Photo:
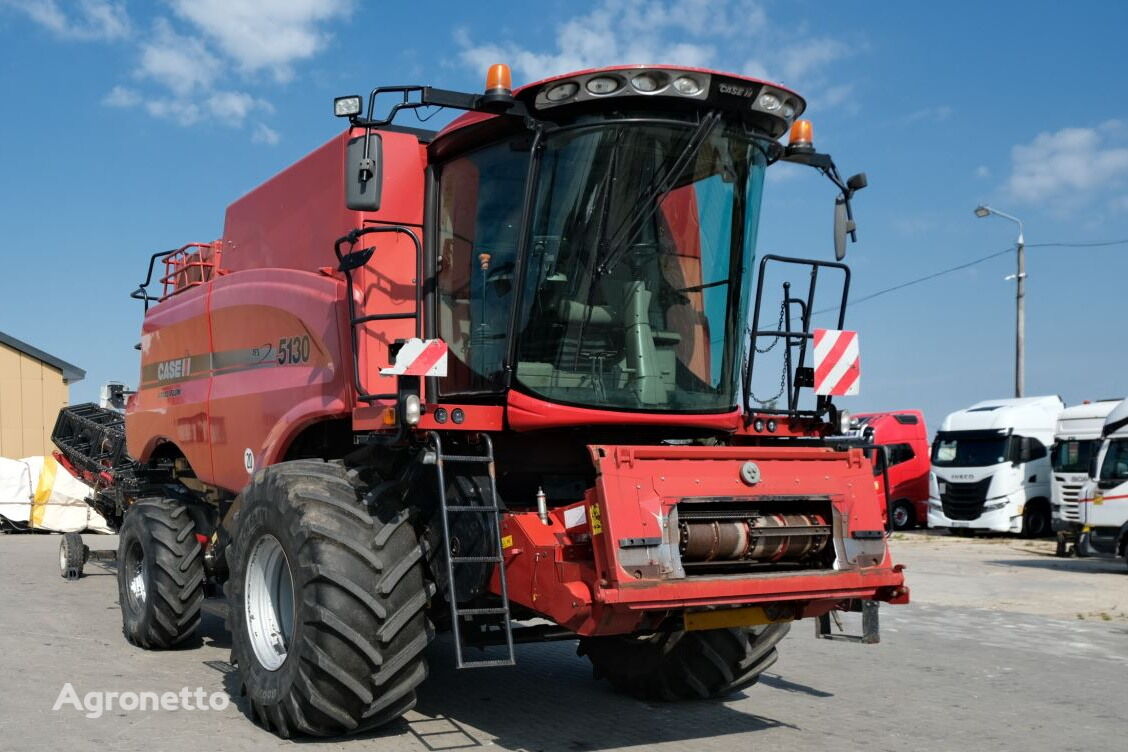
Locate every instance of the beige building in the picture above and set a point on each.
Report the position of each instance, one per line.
(33, 386)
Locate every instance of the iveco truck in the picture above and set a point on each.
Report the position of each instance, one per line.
(1103, 500)
(991, 467)
(1076, 443)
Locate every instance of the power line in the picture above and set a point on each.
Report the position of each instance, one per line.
(973, 262)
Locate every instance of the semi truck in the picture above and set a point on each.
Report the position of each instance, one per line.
(1103, 499)
(1077, 439)
(498, 381)
(991, 467)
(904, 437)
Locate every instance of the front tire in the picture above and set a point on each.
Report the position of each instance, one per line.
(160, 574)
(1036, 520)
(675, 666)
(903, 516)
(326, 604)
(72, 556)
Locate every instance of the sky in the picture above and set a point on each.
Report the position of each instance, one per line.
(128, 127)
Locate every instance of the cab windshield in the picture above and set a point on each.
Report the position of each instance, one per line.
(1074, 455)
(969, 448)
(633, 291)
(635, 288)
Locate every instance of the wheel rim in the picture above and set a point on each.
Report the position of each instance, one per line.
(63, 556)
(900, 516)
(136, 585)
(269, 602)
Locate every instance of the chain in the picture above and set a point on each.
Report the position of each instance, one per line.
(783, 371)
(779, 328)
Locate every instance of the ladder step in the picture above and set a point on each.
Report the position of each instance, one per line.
(465, 458)
(483, 664)
(475, 559)
(473, 508)
(482, 611)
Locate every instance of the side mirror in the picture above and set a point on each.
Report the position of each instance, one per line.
(1025, 450)
(843, 226)
(364, 173)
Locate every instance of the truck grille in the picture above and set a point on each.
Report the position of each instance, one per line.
(964, 501)
(1070, 509)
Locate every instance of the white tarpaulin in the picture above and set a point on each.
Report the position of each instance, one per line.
(39, 493)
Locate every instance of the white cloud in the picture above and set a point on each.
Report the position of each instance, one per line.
(120, 96)
(982, 171)
(1069, 165)
(82, 19)
(264, 134)
(704, 33)
(264, 36)
(181, 63)
(627, 31)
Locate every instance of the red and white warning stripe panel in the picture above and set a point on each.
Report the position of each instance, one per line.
(419, 357)
(838, 364)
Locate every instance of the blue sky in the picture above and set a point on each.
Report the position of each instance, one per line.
(128, 126)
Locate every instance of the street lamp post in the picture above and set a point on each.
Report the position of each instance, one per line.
(1020, 300)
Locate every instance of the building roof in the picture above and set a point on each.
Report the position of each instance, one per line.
(71, 373)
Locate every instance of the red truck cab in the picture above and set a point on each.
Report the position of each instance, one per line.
(905, 436)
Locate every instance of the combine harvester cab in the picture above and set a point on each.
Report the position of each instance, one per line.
(499, 380)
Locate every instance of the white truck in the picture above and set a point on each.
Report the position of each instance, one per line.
(991, 467)
(1076, 443)
(1104, 498)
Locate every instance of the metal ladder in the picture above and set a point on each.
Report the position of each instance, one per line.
(494, 512)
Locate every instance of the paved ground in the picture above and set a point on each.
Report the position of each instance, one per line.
(1004, 648)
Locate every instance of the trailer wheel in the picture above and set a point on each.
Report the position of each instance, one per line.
(903, 515)
(72, 556)
(160, 574)
(325, 604)
(674, 666)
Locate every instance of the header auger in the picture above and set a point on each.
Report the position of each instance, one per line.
(468, 379)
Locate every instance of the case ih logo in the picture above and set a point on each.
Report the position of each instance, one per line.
(170, 370)
(838, 367)
(737, 91)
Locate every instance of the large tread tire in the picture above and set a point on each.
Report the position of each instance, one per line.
(159, 536)
(355, 655)
(674, 666)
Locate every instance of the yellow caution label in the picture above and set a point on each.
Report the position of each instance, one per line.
(507, 541)
(43, 490)
(749, 616)
(595, 520)
(1098, 500)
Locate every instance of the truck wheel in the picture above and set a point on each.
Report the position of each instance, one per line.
(72, 556)
(160, 574)
(903, 516)
(674, 666)
(1061, 550)
(325, 604)
(1035, 520)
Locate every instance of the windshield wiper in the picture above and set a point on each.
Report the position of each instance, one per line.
(661, 184)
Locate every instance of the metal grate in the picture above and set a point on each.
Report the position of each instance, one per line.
(964, 501)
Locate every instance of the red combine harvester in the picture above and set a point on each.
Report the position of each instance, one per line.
(495, 380)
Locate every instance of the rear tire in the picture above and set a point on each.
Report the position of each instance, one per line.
(160, 574)
(675, 666)
(342, 587)
(903, 516)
